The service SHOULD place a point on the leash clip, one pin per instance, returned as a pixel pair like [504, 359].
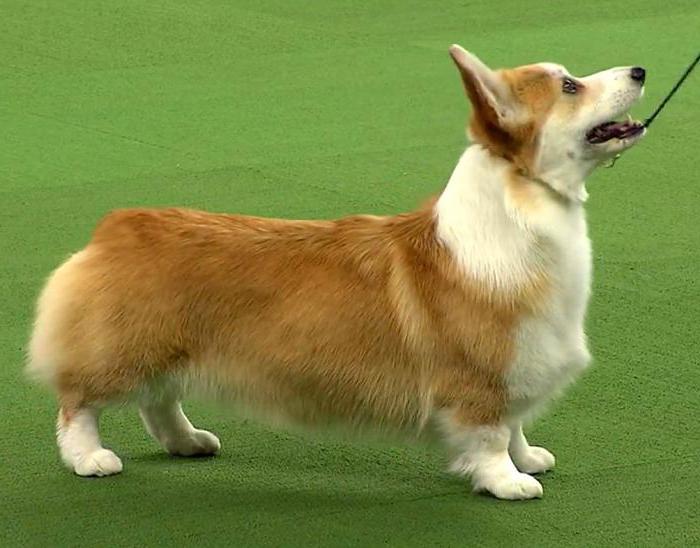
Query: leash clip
[612, 161]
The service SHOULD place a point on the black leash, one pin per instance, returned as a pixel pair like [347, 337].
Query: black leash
[690, 68]
[651, 118]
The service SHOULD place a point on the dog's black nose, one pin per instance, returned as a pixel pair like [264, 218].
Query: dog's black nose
[638, 74]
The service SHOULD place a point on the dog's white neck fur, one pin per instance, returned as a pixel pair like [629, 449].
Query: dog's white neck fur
[474, 222]
[489, 235]
[574, 191]
[567, 178]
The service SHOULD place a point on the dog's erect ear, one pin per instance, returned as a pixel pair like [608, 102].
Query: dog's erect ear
[489, 94]
[485, 88]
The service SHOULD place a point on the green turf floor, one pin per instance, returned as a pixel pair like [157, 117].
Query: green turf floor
[319, 109]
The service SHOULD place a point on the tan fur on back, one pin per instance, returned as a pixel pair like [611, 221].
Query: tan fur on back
[364, 319]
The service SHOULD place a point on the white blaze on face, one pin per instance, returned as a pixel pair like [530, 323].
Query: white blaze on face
[616, 93]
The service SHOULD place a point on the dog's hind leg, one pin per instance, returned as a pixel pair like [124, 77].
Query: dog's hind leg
[79, 443]
[165, 420]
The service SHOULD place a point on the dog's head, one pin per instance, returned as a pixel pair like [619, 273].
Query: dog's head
[551, 125]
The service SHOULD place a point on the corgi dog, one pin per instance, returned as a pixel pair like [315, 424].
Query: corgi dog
[464, 317]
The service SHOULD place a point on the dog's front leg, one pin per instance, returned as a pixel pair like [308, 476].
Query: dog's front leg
[528, 458]
[481, 452]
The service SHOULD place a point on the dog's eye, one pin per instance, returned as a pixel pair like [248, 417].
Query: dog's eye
[569, 86]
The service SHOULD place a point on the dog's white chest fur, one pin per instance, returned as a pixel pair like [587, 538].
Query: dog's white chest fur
[500, 243]
[551, 346]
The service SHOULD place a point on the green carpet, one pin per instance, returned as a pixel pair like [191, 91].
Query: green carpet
[286, 109]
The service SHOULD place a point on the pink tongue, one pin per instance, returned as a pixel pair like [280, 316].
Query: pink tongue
[613, 130]
[616, 129]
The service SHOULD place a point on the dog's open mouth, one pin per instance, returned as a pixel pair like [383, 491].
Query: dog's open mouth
[614, 130]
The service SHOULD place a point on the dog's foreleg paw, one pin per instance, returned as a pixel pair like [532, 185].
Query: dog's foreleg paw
[512, 487]
[101, 462]
[534, 460]
[194, 443]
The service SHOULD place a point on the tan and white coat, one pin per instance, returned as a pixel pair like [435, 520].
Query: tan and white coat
[466, 315]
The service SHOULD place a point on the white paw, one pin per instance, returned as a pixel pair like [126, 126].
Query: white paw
[512, 487]
[101, 462]
[196, 442]
[534, 460]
